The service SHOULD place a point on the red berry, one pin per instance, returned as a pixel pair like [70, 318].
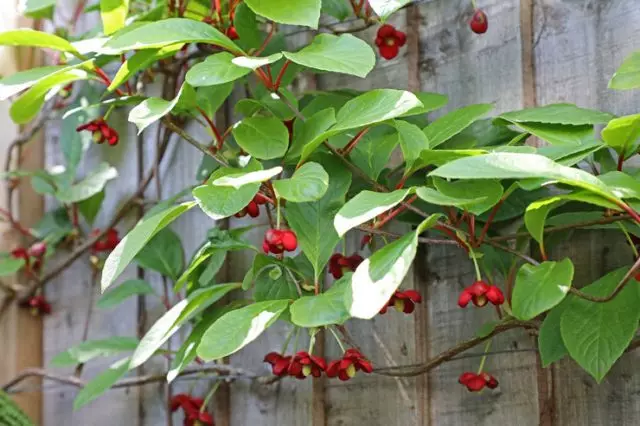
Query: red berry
[253, 210]
[479, 23]
[38, 249]
[273, 237]
[289, 240]
[232, 33]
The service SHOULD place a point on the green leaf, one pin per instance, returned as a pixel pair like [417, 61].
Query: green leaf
[339, 9]
[439, 157]
[490, 192]
[262, 137]
[521, 166]
[304, 12]
[366, 206]
[570, 155]
[238, 328]
[33, 38]
[384, 8]
[622, 134]
[90, 207]
[224, 201]
[22, 80]
[255, 62]
[163, 254]
[432, 196]
[379, 276]
[114, 14]
[167, 32]
[175, 318]
[486, 329]
[621, 184]
[247, 27]
[373, 107]
[341, 54]
[597, 334]
[216, 69]
[101, 383]
[190, 275]
[153, 109]
[324, 309]
[238, 180]
[91, 349]
[10, 265]
[372, 153]
[310, 129]
[122, 292]
[273, 280]
[89, 186]
[557, 114]
[29, 104]
[211, 98]
[559, 134]
[412, 141]
[449, 125]
[308, 183]
[628, 75]
[139, 61]
[136, 239]
[430, 102]
[550, 343]
[313, 222]
[540, 288]
[38, 9]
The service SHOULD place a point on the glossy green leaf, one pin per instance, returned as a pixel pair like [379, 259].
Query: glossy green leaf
[238, 328]
[432, 196]
[622, 134]
[33, 38]
[238, 180]
[412, 141]
[140, 61]
[22, 80]
[340, 54]
[557, 114]
[521, 166]
[88, 187]
[176, 317]
[223, 201]
[628, 75]
[272, 280]
[211, 98]
[37, 9]
[163, 254]
[10, 265]
[313, 222]
[378, 277]
[430, 102]
[339, 9]
[372, 153]
[123, 292]
[621, 184]
[597, 334]
[153, 109]
[90, 207]
[550, 343]
[559, 134]
[136, 239]
[310, 129]
[101, 383]
[308, 183]
[490, 192]
[167, 32]
[262, 137]
[216, 69]
[91, 349]
[384, 8]
[304, 12]
[540, 288]
[439, 157]
[451, 124]
[366, 206]
[255, 62]
[324, 309]
[114, 14]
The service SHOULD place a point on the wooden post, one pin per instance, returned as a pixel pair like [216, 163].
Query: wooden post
[21, 332]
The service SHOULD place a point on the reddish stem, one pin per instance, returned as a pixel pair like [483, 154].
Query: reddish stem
[472, 228]
[352, 144]
[492, 216]
[266, 40]
[15, 224]
[620, 162]
[218, 7]
[634, 215]
[395, 213]
[265, 80]
[281, 74]
[74, 216]
[213, 127]
[400, 184]
[106, 80]
[453, 236]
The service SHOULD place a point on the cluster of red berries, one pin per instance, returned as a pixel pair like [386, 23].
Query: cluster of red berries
[339, 264]
[192, 408]
[479, 23]
[481, 293]
[403, 301]
[303, 364]
[101, 131]
[108, 242]
[389, 41]
[253, 208]
[38, 305]
[476, 382]
[32, 256]
[277, 241]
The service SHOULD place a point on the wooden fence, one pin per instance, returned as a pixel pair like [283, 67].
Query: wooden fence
[535, 52]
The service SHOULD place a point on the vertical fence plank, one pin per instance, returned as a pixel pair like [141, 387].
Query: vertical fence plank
[580, 47]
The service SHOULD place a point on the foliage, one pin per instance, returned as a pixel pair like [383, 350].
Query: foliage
[318, 165]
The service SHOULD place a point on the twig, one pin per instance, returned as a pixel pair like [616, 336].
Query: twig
[621, 285]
